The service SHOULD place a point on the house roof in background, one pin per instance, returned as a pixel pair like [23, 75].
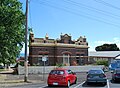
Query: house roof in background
[118, 57]
[104, 53]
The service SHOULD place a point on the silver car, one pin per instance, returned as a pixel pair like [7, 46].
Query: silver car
[96, 76]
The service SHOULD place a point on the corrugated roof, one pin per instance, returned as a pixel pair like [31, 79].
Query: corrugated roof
[118, 57]
[104, 53]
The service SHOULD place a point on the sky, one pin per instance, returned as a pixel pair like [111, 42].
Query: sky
[97, 20]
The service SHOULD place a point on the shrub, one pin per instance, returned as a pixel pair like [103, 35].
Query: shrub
[60, 65]
[102, 62]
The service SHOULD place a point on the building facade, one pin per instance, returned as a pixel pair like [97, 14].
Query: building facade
[109, 56]
[57, 51]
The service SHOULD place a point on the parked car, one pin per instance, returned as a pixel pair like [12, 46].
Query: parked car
[96, 76]
[115, 64]
[61, 77]
[116, 74]
[1, 67]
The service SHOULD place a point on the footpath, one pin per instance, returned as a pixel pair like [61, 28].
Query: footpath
[8, 79]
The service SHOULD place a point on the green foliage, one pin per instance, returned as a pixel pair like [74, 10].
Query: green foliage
[2, 70]
[12, 25]
[107, 47]
[102, 62]
[59, 65]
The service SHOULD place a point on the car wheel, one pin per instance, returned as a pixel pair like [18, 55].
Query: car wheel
[49, 85]
[113, 80]
[68, 83]
[88, 83]
[75, 81]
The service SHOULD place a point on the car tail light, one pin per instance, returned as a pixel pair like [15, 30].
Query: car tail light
[49, 76]
[116, 75]
[89, 76]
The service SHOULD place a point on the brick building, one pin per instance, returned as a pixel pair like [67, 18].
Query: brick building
[57, 51]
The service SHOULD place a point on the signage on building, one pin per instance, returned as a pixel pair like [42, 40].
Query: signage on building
[44, 58]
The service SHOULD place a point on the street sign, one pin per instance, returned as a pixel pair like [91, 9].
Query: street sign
[44, 58]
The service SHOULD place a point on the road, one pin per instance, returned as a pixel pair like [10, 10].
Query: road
[80, 83]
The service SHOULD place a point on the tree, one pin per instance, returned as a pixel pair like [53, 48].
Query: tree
[12, 30]
[107, 47]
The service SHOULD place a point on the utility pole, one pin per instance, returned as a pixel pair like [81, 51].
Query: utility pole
[26, 33]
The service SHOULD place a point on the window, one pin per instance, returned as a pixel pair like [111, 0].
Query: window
[58, 72]
[84, 40]
[78, 58]
[66, 58]
[81, 54]
[40, 61]
[69, 71]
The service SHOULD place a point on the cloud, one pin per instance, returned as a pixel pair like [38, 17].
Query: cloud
[98, 43]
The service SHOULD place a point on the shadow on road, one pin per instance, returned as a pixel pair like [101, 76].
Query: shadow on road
[55, 87]
[115, 82]
[93, 85]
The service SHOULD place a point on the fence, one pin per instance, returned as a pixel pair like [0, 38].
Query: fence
[47, 69]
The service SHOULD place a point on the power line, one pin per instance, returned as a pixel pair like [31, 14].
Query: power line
[93, 9]
[75, 13]
[107, 4]
[81, 11]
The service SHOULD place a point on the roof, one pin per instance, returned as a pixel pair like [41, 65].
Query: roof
[104, 53]
[118, 57]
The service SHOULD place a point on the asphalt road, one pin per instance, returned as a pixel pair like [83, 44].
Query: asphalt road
[80, 83]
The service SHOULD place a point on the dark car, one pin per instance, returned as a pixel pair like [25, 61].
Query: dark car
[96, 76]
[61, 77]
[116, 74]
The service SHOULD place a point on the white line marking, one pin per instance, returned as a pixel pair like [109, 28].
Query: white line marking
[108, 84]
[42, 87]
[80, 84]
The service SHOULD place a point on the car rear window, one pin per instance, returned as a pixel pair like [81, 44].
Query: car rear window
[95, 72]
[58, 72]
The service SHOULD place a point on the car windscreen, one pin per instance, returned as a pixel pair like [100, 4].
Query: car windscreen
[95, 72]
[58, 72]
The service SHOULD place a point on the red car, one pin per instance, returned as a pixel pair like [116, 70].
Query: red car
[61, 77]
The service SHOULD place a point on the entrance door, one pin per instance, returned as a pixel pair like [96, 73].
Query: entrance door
[66, 58]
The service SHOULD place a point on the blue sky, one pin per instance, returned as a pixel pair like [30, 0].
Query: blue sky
[98, 20]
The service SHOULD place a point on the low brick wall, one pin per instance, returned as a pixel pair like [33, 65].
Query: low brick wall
[47, 69]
